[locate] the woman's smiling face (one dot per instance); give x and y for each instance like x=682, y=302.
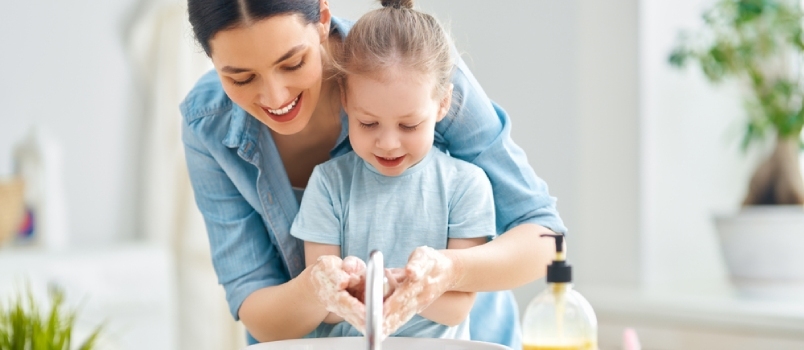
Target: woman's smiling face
x=272, y=69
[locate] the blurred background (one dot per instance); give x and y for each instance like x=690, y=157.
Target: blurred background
x=641, y=157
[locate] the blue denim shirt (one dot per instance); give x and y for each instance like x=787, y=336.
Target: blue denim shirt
x=248, y=204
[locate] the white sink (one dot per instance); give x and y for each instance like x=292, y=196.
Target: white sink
x=359, y=343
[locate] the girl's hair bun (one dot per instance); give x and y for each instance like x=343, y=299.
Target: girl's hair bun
x=399, y=4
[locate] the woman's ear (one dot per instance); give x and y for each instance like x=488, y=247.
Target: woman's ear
x=326, y=20
x=446, y=103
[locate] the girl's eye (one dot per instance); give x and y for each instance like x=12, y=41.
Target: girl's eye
x=242, y=82
x=409, y=127
x=292, y=68
x=367, y=125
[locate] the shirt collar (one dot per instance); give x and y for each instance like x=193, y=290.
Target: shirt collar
x=243, y=133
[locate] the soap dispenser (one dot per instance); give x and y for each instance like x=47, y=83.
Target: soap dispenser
x=559, y=318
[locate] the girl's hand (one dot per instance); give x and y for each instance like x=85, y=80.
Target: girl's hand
x=395, y=277
x=332, y=278
x=428, y=275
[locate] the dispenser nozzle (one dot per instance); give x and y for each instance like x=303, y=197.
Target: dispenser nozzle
x=559, y=240
x=559, y=271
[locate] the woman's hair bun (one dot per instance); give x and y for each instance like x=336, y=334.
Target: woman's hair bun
x=400, y=4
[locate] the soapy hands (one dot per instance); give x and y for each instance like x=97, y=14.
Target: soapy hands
x=426, y=277
x=333, y=279
x=340, y=285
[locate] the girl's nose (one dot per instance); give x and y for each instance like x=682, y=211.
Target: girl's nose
x=388, y=140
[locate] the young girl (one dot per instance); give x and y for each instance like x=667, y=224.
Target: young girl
x=395, y=192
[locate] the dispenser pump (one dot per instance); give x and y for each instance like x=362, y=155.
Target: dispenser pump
x=559, y=271
x=559, y=318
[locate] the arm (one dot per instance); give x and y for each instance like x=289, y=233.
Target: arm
x=453, y=307
x=479, y=131
x=515, y=258
x=294, y=300
x=248, y=265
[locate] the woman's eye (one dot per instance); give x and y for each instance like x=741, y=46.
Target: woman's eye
x=368, y=125
x=295, y=67
x=242, y=82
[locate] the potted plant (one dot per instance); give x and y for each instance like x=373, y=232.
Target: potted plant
x=759, y=44
x=25, y=325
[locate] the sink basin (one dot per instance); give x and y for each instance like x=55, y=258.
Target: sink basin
x=359, y=343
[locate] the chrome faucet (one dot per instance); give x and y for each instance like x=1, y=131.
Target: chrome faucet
x=375, y=273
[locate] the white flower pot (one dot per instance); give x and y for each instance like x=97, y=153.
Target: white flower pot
x=763, y=247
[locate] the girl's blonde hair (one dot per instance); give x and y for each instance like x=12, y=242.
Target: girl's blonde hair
x=397, y=34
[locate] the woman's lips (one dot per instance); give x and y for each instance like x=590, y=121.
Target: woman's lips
x=389, y=162
x=283, y=118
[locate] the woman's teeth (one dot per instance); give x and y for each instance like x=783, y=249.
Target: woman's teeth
x=285, y=110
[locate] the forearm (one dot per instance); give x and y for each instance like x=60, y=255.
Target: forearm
x=266, y=312
x=450, y=309
x=515, y=258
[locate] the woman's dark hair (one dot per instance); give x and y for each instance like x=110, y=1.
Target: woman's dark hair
x=208, y=17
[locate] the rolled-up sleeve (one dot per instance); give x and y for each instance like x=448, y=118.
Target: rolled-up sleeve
x=479, y=131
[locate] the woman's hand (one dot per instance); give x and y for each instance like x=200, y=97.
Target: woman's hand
x=333, y=279
x=428, y=275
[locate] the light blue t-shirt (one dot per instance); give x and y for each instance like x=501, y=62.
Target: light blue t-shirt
x=349, y=203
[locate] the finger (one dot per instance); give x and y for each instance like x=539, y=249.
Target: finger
x=327, y=281
x=395, y=315
x=399, y=274
x=400, y=307
x=392, y=282
x=353, y=265
x=347, y=302
x=350, y=309
x=420, y=263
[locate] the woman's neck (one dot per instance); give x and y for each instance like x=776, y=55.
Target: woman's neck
x=302, y=151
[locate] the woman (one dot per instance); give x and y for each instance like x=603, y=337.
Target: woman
x=255, y=127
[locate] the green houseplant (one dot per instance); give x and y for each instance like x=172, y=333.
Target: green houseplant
x=24, y=325
x=759, y=44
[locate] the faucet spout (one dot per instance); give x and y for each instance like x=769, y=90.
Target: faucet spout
x=375, y=272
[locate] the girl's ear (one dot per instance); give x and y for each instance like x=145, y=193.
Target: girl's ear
x=326, y=20
x=446, y=103
x=342, y=88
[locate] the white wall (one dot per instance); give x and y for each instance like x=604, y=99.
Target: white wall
x=692, y=163
x=65, y=72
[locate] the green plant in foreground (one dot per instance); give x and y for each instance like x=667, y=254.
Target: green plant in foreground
x=24, y=325
x=761, y=44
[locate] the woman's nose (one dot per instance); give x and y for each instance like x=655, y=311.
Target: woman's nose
x=273, y=94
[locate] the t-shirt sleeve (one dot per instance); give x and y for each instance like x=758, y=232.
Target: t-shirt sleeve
x=317, y=220
x=471, y=213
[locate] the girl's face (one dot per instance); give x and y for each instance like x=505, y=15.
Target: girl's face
x=273, y=69
x=392, y=120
